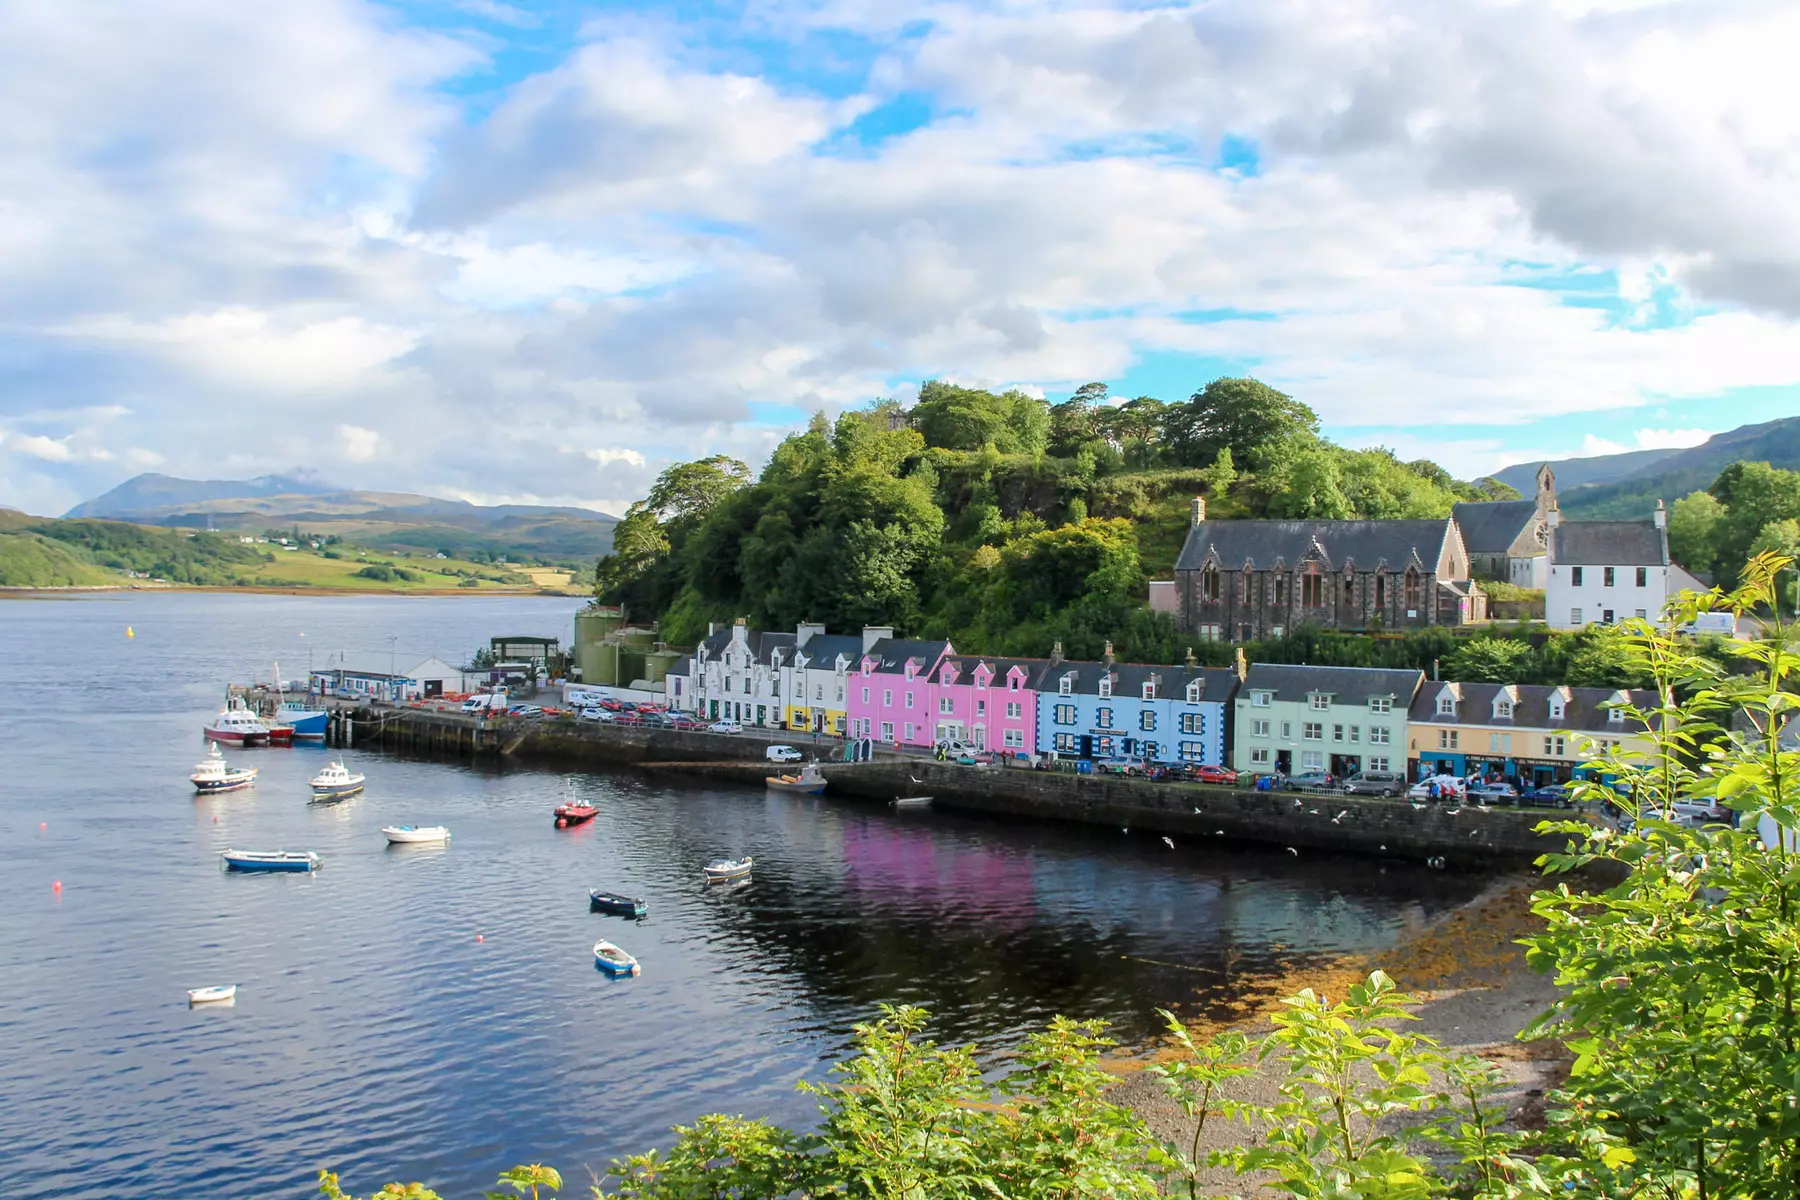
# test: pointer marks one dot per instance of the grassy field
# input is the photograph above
(27, 560)
(311, 569)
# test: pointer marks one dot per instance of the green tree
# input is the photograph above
(1244, 415)
(1221, 475)
(1491, 660)
(1696, 531)
(1754, 494)
(1782, 539)
(1312, 487)
(958, 418)
(688, 491)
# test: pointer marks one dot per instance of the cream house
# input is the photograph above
(1534, 734)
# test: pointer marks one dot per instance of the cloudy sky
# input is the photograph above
(538, 251)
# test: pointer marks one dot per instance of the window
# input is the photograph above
(865, 695)
(1147, 719)
(1574, 616)
(1607, 577)
(1259, 699)
(1065, 714)
(1349, 589)
(1150, 691)
(981, 708)
(1103, 746)
(1556, 708)
(1193, 692)
(1106, 688)
(819, 692)
(1446, 705)
(1446, 739)
(1378, 762)
(1381, 704)
(1196, 723)
(1259, 757)
(1012, 683)
(1380, 590)
(981, 680)
(1615, 716)
(1320, 701)
(1280, 589)
(1064, 685)
(1575, 576)
(1503, 709)
(1015, 738)
(1014, 710)
(1193, 752)
(1312, 760)
(1209, 583)
(1313, 731)
(1067, 743)
(909, 697)
(1244, 586)
(946, 705)
(1337, 733)
(887, 697)
(1103, 718)
(909, 731)
(1259, 729)
(1554, 746)
(1500, 743)
(1312, 589)
(1415, 592)
(1287, 731)
(887, 731)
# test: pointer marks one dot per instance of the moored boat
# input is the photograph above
(612, 960)
(211, 775)
(613, 902)
(912, 801)
(574, 813)
(336, 782)
(212, 995)
(808, 780)
(727, 868)
(270, 860)
(236, 725)
(308, 724)
(403, 835)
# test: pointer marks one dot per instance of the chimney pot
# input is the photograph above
(1662, 515)
(1199, 509)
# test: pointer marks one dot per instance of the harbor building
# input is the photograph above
(1533, 734)
(1157, 714)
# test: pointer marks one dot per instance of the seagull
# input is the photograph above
(1312, 812)
(1169, 842)
(1452, 812)
(1384, 847)
(1417, 807)
(1220, 832)
(1293, 852)
(1124, 829)
(1196, 812)
(1473, 832)
(1297, 803)
(1339, 819)
(909, 776)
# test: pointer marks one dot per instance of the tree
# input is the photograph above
(1221, 475)
(1696, 527)
(686, 492)
(1781, 538)
(1491, 660)
(1312, 487)
(1243, 414)
(1754, 494)
(958, 418)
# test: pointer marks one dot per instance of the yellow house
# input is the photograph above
(814, 681)
(1532, 733)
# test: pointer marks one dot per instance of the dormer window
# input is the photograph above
(1260, 699)
(981, 679)
(1556, 708)
(1615, 716)
(1065, 685)
(1106, 687)
(1012, 682)
(1321, 701)
(1446, 706)
(911, 669)
(1193, 692)
(1503, 709)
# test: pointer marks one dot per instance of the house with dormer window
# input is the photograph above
(815, 683)
(1532, 735)
(735, 674)
(1295, 719)
(1108, 710)
(988, 703)
(890, 690)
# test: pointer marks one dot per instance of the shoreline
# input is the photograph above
(25, 592)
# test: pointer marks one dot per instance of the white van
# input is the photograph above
(495, 701)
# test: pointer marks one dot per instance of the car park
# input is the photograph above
(1376, 783)
(725, 727)
(783, 754)
(1212, 774)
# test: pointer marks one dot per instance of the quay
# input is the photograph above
(1464, 837)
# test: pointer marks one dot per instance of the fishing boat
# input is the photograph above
(212, 995)
(727, 868)
(406, 835)
(612, 902)
(612, 960)
(912, 801)
(211, 775)
(809, 780)
(279, 734)
(336, 782)
(270, 860)
(574, 813)
(236, 725)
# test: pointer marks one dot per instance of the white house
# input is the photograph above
(1603, 572)
(814, 676)
(735, 675)
(382, 676)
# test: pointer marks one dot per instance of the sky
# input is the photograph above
(536, 252)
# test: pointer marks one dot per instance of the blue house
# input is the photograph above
(1170, 715)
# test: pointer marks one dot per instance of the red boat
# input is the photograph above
(280, 735)
(574, 814)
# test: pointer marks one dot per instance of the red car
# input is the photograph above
(1215, 774)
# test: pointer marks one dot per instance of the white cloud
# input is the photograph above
(358, 445)
(48, 449)
(1671, 439)
(606, 457)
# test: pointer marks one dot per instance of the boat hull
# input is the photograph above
(308, 724)
(624, 906)
(568, 818)
(780, 785)
(236, 737)
(212, 787)
(335, 791)
(719, 874)
(614, 961)
(413, 837)
(212, 995)
(269, 865)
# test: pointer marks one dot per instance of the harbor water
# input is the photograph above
(434, 1013)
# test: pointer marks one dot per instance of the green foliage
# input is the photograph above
(1490, 660)
(32, 560)
(387, 574)
(535, 1180)
(1246, 416)
(957, 418)
(1754, 495)
(173, 555)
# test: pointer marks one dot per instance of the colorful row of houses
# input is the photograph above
(1256, 717)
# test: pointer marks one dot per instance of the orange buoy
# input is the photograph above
(43, 825)
(479, 938)
(56, 886)
(560, 823)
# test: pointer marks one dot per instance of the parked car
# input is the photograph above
(1309, 781)
(525, 710)
(1376, 783)
(725, 727)
(1553, 795)
(596, 714)
(685, 721)
(1493, 793)
(783, 754)
(1211, 774)
(1449, 787)
(955, 747)
(1691, 813)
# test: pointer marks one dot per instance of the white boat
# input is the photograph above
(612, 960)
(336, 782)
(237, 725)
(212, 995)
(399, 835)
(912, 801)
(212, 775)
(727, 868)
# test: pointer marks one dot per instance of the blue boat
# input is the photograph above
(612, 902)
(308, 724)
(614, 961)
(270, 860)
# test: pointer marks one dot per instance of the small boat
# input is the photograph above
(336, 782)
(211, 775)
(270, 860)
(212, 995)
(612, 960)
(809, 780)
(237, 726)
(406, 835)
(912, 801)
(727, 868)
(612, 902)
(574, 813)
(279, 734)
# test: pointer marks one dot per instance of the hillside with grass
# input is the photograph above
(30, 560)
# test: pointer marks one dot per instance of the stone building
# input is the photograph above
(1508, 540)
(1239, 580)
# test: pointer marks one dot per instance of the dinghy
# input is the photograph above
(270, 860)
(727, 868)
(406, 835)
(912, 801)
(809, 780)
(212, 995)
(612, 902)
(612, 960)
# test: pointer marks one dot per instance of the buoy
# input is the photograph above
(130, 632)
(560, 823)
(478, 937)
(43, 825)
(56, 886)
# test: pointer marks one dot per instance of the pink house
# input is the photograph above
(890, 691)
(990, 703)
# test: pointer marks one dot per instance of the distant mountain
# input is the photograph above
(1679, 472)
(150, 491)
(1572, 473)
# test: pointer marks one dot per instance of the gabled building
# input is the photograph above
(1534, 734)
(814, 684)
(1239, 580)
(1603, 572)
(890, 690)
(1508, 540)
(735, 675)
(1112, 710)
(1341, 720)
(988, 703)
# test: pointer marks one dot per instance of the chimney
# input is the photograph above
(1553, 518)
(1107, 658)
(1239, 665)
(712, 627)
(806, 631)
(1056, 653)
(1199, 509)
(1662, 515)
(873, 634)
(1192, 662)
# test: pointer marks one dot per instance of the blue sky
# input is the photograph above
(539, 251)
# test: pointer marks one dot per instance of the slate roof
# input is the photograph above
(1583, 709)
(890, 654)
(1608, 543)
(760, 644)
(822, 649)
(1217, 683)
(1366, 544)
(966, 663)
(1492, 526)
(1348, 685)
(678, 667)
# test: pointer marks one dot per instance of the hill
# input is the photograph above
(399, 521)
(31, 560)
(1572, 473)
(1684, 471)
